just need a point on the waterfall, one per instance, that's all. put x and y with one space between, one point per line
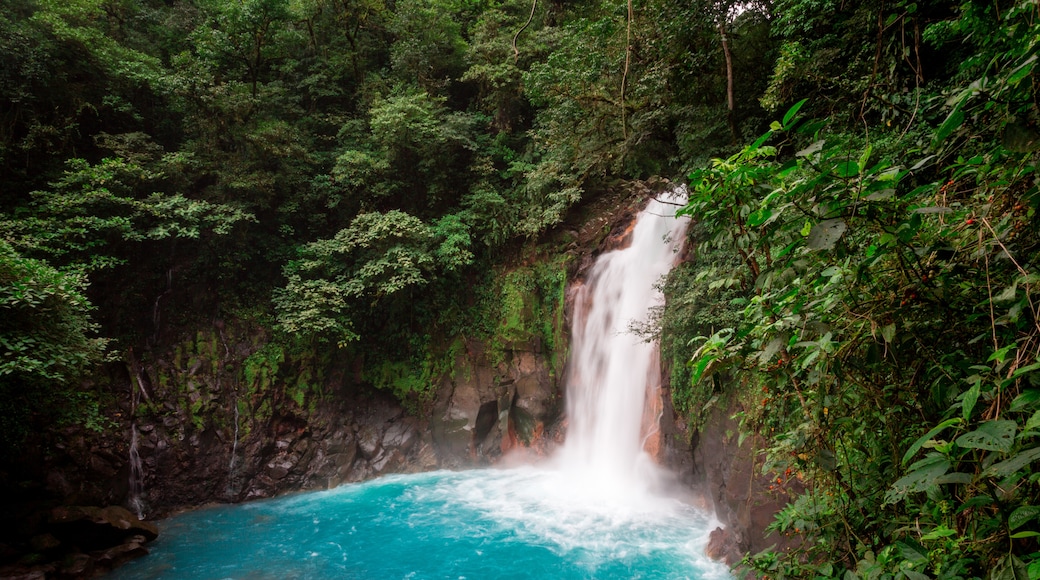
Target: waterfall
612 368
593 511
234 442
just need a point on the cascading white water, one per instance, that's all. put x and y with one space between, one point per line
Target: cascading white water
611 367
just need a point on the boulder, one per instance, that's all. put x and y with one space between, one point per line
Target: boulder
400 436
118 555
723 546
77 566
94 528
369 441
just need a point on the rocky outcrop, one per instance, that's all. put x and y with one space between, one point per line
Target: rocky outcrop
93 528
348 439
726 475
724 545
205 429
226 416
745 499
79 542
486 408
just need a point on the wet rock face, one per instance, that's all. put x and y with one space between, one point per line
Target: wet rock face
235 427
487 409
739 491
724 545
225 418
349 440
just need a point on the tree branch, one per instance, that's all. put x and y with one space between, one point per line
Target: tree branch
516 51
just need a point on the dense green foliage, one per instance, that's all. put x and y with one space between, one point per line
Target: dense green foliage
373 178
886 336
346 172
45 344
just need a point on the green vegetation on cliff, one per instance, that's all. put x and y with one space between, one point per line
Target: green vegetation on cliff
345 173
377 181
882 327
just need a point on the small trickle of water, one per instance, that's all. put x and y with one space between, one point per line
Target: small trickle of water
136 475
230 490
136 484
234 449
156 318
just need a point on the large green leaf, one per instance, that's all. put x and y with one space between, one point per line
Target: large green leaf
1014 463
1033 422
1022 71
920 479
927 437
912 553
759 217
1009 568
997 435
847 169
1022 516
824 235
1028 398
790 114
970 398
951 124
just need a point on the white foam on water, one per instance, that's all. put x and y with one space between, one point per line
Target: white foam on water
542 506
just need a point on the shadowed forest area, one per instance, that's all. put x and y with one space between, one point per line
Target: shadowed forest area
358 177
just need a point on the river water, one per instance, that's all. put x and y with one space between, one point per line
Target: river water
599 508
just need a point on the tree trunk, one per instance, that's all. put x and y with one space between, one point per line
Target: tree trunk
730 112
624 77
